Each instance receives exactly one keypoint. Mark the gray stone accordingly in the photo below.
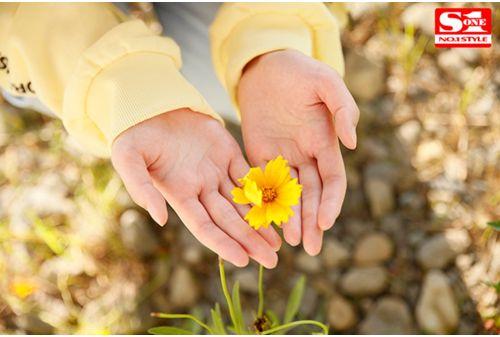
(380, 196)
(334, 253)
(455, 65)
(364, 77)
(341, 313)
(437, 310)
(372, 249)
(136, 233)
(307, 263)
(364, 281)
(409, 132)
(248, 280)
(441, 249)
(390, 315)
(455, 168)
(184, 290)
(309, 302)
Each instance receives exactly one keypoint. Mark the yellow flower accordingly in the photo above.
(271, 193)
(23, 288)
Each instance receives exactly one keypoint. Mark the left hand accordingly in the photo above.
(296, 106)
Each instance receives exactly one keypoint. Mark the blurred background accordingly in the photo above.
(412, 251)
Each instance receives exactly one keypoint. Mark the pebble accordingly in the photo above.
(309, 302)
(184, 291)
(409, 132)
(428, 151)
(341, 313)
(334, 253)
(380, 196)
(364, 77)
(307, 263)
(193, 251)
(441, 249)
(364, 281)
(390, 315)
(373, 249)
(136, 233)
(48, 197)
(392, 223)
(437, 310)
(418, 15)
(248, 280)
(455, 168)
(455, 65)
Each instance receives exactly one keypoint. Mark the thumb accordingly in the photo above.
(334, 93)
(137, 180)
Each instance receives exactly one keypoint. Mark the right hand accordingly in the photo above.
(191, 161)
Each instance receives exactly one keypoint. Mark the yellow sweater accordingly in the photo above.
(102, 73)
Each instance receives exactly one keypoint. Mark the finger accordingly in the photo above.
(269, 234)
(228, 219)
(334, 93)
(238, 168)
(332, 172)
(311, 196)
(199, 223)
(292, 230)
(137, 180)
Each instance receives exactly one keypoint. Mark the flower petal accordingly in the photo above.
(239, 196)
(256, 174)
(277, 213)
(289, 193)
(256, 217)
(253, 192)
(276, 172)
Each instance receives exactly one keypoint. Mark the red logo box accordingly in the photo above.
(462, 27)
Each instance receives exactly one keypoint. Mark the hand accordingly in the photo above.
(296, 106)
(190, 160)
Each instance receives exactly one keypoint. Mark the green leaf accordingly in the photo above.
(285, 327)
(217, 322)
(183, 316)
(49, 235)
(275, 321)
(237, 308)
(494, 285)
(168, 330)
(191, 325)
(294, 300)
(495, 225)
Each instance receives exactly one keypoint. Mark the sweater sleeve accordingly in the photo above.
(243, 31)
(98, 71)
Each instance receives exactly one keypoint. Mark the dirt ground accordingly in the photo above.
(411, 252)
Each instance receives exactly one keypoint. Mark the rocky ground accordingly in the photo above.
(411, 252)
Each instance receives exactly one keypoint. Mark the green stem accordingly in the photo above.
(187, 316)
(260, 310)
(294, 324)
(227, 296)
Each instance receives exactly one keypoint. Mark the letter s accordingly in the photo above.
(449, 23)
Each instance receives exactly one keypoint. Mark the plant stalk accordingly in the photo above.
(295, 324)
(187, 316)
(228, 297)
(260, 309)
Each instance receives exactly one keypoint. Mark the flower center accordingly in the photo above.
(269, 194)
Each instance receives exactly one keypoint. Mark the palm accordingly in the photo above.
(282, 113)
(191, 161)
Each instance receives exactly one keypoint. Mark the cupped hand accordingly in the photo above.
(298, 107)
(191, 161)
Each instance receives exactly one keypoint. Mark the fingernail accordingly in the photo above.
(156, 219)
